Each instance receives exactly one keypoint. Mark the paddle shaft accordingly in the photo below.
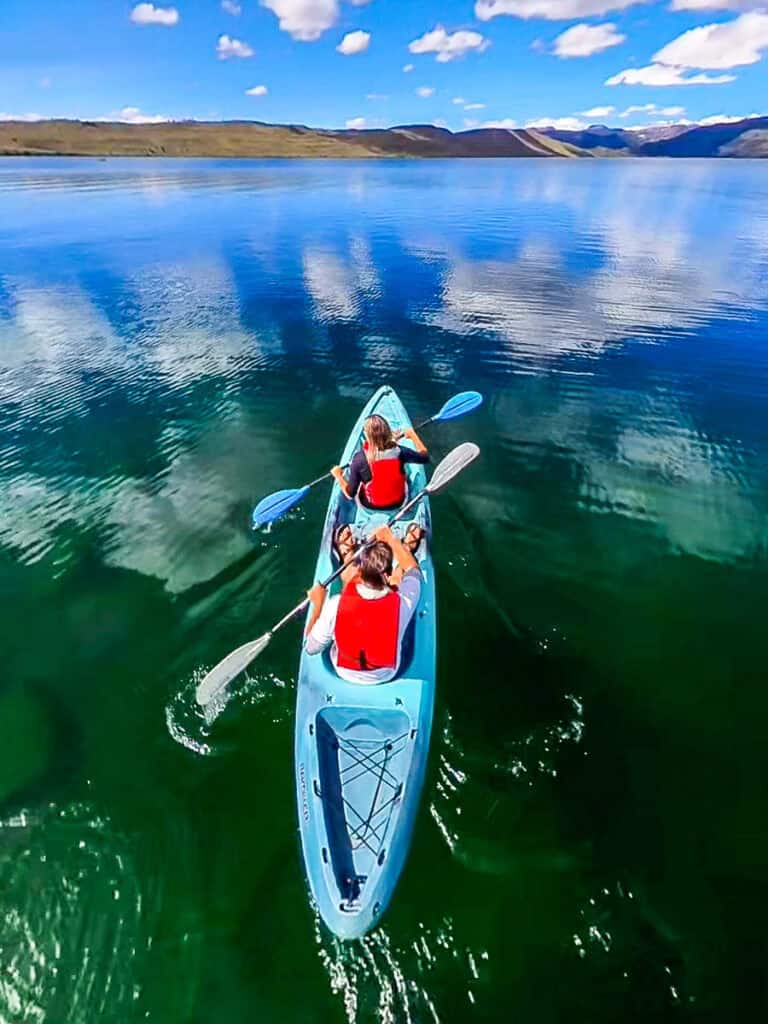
(348, 464)
(335, 575)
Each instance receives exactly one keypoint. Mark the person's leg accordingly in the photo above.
(412, 540)
(345, 545)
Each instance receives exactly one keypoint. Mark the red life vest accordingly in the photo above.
(366, 631)
(387, 485)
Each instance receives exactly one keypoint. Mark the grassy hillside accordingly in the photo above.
(88, 138)
(254, 139)
(751, 144)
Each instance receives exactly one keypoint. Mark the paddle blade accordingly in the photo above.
(276, 505)
(459, 405)
(229, 668)
(453, 463)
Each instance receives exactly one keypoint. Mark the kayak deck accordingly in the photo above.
(362, 760)
(361, 751)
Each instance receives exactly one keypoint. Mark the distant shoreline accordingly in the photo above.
(254, 139)
(257, 140)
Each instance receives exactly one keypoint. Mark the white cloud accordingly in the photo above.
(257, 90)
(4, 116)
(148, 14)
(584, 40)
(459, 101)
(714, 47)
(566, 124)
(132, 115)
(652, 108)
(552, 10)
(598, 112)
(658, 75)
(474, 106)
(449, 45)
(407, 68)
(719, 46)
(231, 7)
(563, 124)
(305, 20)
(354, 42)
(357, 123)
(377, 97)
(425, 91)
(717, 5)
(359, 3)
(128, 115)
(227, 48)
(726, 118)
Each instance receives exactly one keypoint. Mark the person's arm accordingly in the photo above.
(357, 475)
(411, 434)
(338, 475)
(409, 455)
(316, 597)
(403, 556)
(323, 628)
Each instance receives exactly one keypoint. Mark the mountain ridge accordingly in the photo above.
(747, 137)
(740, 138)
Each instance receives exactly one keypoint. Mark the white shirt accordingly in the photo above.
(323, 631)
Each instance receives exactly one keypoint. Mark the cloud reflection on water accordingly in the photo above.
(610, 267)
(158, 375)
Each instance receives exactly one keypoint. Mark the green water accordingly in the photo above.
(177, 339)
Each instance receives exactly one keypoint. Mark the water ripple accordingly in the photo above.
(74, 936)
(382, 979)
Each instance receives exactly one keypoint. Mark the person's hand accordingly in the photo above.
(383, 533)
(317, 595)
(409, 432)
(337, 473)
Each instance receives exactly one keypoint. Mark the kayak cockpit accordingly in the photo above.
(363, 758)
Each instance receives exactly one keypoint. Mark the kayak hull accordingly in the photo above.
(361, 751)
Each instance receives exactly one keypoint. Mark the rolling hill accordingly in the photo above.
(744, 138)
(256, 139)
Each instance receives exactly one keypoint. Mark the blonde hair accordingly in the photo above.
(379, 434)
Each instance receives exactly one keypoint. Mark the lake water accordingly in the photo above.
(178, 339)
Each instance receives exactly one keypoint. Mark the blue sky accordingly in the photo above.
(332, 63)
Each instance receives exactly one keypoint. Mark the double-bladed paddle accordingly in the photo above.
(231, 666)
(275, 505)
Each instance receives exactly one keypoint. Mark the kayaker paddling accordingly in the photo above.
(364, 625)
(361, 751)
(377, 471)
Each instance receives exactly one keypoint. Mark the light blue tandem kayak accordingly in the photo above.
(361, 751)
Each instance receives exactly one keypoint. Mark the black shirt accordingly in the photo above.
(360, 471)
